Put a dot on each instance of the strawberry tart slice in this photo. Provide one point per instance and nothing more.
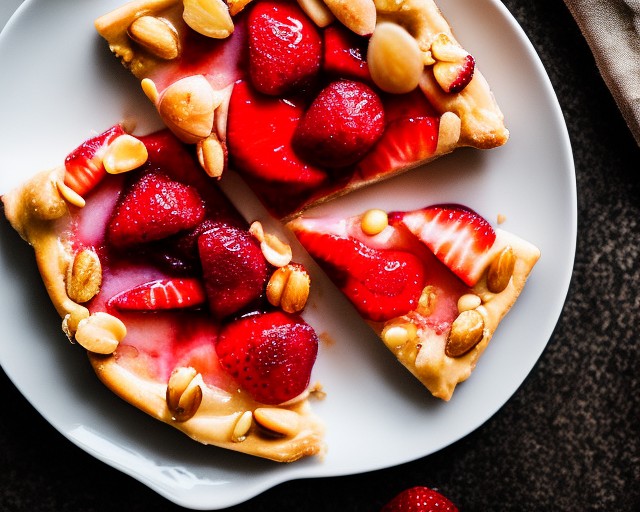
(434, 283)
(185, 310)
(307, 100)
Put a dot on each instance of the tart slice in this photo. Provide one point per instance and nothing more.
(434, 283)
(307, 100)
(185, 310)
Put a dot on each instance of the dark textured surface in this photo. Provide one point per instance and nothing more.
(567, 440)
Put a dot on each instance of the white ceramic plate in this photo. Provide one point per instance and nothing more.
(59, 83)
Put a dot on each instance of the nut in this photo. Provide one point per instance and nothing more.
(427, 300)
(184, 394)
(187, 108)
(454, 66)
(100, 333)
(210, 18)
(359, 16)
(394, 58)
(500, 270)
(242, 426)
(280, 421)
(84, 276)
(274, 250)
(288, 288)
(466, 332)
(156, 35)
(374, 221)
(235, 6)
(396, 335)
(211, 155)
(124, 154)
(318, 11)
(468, 301)
(70, 195)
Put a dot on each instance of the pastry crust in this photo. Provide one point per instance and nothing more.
(479, 124)
(425, 355)
(40, 214)
(424, 352)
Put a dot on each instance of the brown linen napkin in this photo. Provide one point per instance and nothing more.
(612, 30)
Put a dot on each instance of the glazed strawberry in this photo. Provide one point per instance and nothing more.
(405, 141)
(458, 236)
(160, 294)
(420, 499)
(83, 166)
(382, 284)
(154, 207)
(259, 136)
(345, 54)
(234, 270)
(344, 121)
(270, 355)
(285, 48)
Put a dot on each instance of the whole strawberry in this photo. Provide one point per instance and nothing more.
(270, 355)
(152, 208)
(343, 122)
(234, 269)
(420, 499)
(285, 48)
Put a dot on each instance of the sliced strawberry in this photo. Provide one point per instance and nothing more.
(382, 284)
(235, 271)
(270, 355)
(154, 207)
(420, 499)
(344, 121)
(259, 135)
(405, 142)
(458, 236)
(285, 48)
(345, 54)
(83, 166)
(161, 294)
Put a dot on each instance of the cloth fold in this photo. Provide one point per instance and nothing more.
(612, 31)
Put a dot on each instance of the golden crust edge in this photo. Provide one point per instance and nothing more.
(41, 231)
(441, 375)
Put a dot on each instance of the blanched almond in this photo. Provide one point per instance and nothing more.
(187, 108)
(100, 333)
(210, 18)
(156, 35)
(394, 58)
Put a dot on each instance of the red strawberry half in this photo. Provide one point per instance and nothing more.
(270, 355)
(457, 235)
(420, 499)
(344, 121)
(83, 166)
(382, 284)
(154, 207)
(160, 294)
(285, 48)
(345, 54)
(234, 270)
(259, 136)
